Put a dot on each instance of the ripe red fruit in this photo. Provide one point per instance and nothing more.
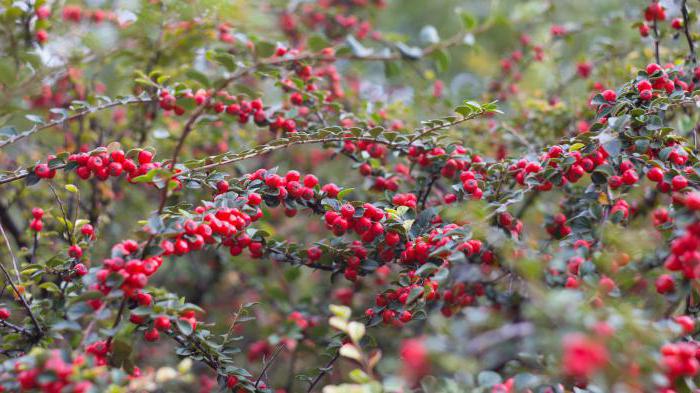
(677, 23)
(38, 213)
(350, 274)
(310, 181)
(36, 225)
(644, 30)
(144, 299)
(347, 210)
(87, 230)
(665, 284)
(254, 199)
(686, 322)
(606, 284)
(151, 335)
(655, 174)
(42, 36)
(392, 238)
(231, 381)
(609, 95)
(629, 177)
(4, 313)
(679, 182)
(115, 169)
(405, 316)
(117, 156)
(43, 171)
(692, 201)
(80, 270)
(75, 251)
(256, 104)
(388, 315)
(43, 12)
(145, 157)
(365, 169)
(222, 186)
(653, 68)
(137, 319)
(643, 85)
(296, 98)
(162, 323)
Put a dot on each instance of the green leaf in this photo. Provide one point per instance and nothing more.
(392, 69)
(225, 59)
(184, 327)
(342, 312)
(265, 49)
(8, 131)
(317, 42)
(351, 352)
(468, 19)
(197, 76)
(414, 294)
(34, 119)
(342, 193)
(488, 378)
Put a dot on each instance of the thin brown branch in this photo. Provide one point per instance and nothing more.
(19, 294)
(39, 127)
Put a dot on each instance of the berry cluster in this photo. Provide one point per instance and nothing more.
(35, 377)
(684, 255)
(37, 224)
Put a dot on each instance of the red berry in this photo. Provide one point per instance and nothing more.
(388, 315)
(679, 182)
(653, 68)
(36, 225)
(80, 269)
(629, 177)
(692, 201)
(75, 251)
(655, 174)
(162, 323)
(644, 30)
(609, 95)
(254, 199)
(151, 335)
(677, 23)
(38, 213)
(87, 230)
(145, 157)
(4, 313)
(643, 85)
(310, 181)
(144, 299)
(231, 381)
(43, 171)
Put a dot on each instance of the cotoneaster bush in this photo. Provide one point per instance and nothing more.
(247, 196)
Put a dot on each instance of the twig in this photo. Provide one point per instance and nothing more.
(36, 128)
(686, 31)
(16, 328)
(69, 234)
(117, 319)
(22, 300)
(12, 254)
(279, 349)
(657, 42)
(323, 372)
